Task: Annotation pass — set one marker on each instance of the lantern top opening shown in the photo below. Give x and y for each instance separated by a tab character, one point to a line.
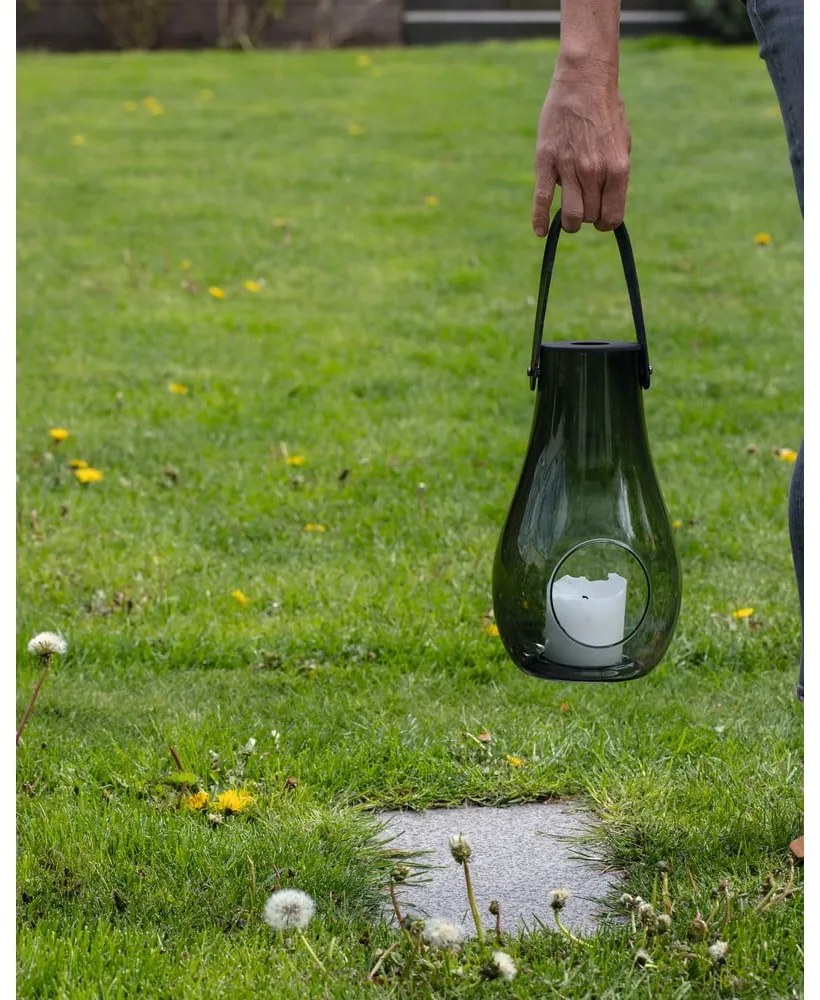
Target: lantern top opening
604	346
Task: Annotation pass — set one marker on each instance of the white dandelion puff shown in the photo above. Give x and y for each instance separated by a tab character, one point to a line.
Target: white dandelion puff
504	965
441	934
47	644
717	951
289	908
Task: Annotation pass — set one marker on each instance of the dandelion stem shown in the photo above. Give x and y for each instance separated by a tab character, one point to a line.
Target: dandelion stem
767	899
45	659
479	928
566	931
395	903
382	957
175	755
667	899
252	874
311	952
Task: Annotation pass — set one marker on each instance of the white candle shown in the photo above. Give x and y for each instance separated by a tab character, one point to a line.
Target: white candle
592	612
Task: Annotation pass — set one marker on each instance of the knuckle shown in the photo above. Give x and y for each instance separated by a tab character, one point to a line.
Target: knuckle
590	170
619	168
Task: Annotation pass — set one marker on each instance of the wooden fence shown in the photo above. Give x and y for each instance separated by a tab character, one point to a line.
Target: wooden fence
181	24
101	24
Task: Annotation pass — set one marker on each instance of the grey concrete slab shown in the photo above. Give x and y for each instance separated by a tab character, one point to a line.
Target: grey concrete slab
520	853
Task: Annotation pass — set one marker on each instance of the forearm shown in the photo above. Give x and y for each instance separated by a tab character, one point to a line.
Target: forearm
590	32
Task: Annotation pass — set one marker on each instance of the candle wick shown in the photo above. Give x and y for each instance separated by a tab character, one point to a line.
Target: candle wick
584	597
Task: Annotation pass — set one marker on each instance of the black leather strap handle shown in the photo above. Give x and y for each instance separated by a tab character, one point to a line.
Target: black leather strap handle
631	275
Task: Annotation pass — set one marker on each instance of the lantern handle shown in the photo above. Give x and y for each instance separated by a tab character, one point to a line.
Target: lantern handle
631	275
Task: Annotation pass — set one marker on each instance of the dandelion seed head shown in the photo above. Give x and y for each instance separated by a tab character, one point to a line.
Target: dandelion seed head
558	898
717	951
47	644
442	934
699	928
664	923
646	914
289	909
642	957
460	848
504	965
399	873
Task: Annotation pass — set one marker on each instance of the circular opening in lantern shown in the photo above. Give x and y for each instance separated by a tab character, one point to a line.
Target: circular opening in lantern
597	599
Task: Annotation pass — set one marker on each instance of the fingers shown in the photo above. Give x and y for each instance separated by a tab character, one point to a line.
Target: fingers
613	196
591	178
572	204
589	193
545	178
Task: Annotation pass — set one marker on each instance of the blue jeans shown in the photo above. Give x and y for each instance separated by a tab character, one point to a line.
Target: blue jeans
778	27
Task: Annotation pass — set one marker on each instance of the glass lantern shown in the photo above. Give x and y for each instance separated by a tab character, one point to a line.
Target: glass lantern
586	579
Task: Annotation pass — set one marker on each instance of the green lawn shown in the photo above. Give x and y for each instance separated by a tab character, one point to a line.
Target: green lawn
387	347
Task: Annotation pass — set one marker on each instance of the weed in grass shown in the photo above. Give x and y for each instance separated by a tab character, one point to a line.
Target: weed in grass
45	646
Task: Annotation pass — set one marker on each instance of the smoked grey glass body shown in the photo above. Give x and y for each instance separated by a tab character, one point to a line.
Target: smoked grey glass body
587	502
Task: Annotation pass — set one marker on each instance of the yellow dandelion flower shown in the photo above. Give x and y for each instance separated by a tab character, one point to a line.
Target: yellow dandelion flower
178	388
252	286
762	239
280	222
234	800
185	264
88	475
364	62
773	111
240	598
315	527
742	613
786	454
196	801
206	95
58	434
677	523
215	292
354	129
431	200
77	463
295	460
514	760
77	140
491	628
153	106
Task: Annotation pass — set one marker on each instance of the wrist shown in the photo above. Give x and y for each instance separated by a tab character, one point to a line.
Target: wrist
578	66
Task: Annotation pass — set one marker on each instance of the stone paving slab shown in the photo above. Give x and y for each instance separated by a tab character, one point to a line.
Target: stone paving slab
520	853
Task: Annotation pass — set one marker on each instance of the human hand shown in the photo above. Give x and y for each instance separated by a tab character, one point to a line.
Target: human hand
583	146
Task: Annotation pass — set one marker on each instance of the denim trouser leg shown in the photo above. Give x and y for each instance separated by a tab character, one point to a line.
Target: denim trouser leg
778	26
